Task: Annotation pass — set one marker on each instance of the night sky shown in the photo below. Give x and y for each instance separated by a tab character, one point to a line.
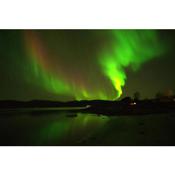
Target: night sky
85	64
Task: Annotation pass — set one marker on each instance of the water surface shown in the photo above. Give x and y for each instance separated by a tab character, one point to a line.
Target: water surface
71	128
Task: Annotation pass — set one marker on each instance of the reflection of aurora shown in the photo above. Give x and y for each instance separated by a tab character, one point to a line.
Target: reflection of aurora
72	130
128	48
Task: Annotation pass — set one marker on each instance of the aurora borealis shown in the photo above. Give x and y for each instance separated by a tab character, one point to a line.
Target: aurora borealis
131	48
84	64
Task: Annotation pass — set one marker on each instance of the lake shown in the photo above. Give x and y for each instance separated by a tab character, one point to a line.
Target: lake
59	127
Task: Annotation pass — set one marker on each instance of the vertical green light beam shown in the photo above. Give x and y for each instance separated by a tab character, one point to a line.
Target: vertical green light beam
130	48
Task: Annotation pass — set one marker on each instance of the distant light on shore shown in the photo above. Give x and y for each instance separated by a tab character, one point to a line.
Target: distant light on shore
133	103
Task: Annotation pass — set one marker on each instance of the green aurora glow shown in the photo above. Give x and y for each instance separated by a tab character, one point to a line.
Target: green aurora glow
128	48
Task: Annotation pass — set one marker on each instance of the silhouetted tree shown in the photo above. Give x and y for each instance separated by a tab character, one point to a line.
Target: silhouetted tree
169	93
137	96
159	95
165	96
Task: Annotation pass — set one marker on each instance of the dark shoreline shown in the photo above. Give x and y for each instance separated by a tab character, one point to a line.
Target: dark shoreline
99	107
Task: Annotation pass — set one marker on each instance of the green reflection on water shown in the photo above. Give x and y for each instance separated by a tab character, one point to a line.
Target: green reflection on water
71	130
